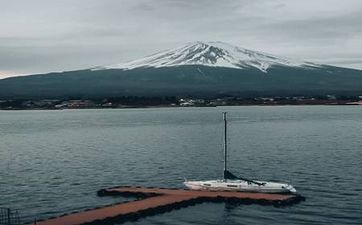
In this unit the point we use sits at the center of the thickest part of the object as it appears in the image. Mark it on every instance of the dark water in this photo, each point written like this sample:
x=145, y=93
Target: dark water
x=53, y=162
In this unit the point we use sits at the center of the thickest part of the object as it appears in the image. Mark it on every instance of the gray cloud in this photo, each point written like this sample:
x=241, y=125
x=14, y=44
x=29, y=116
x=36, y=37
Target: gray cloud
x=41, y=36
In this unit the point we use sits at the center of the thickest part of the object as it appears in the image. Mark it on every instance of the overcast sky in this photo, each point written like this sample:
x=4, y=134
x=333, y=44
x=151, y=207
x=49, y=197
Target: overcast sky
x=40, y=36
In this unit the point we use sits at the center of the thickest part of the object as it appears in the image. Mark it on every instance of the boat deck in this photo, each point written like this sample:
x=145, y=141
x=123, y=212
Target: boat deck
x=159, y=200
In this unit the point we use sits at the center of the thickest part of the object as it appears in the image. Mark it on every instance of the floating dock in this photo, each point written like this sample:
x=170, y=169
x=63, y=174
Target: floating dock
x=158, y=200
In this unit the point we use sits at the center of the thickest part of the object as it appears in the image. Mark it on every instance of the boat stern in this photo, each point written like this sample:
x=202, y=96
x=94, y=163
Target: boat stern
x=290, y=188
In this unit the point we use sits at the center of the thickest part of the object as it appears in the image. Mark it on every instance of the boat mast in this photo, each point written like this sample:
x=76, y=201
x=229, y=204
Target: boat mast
x=225, y=143
x=227, y=174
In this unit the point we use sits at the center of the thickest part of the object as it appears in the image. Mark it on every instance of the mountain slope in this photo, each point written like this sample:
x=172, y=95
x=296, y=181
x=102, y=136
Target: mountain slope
x=200, y=69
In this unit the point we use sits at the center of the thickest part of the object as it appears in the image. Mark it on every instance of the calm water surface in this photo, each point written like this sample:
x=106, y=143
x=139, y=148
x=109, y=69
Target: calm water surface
x=53, y=162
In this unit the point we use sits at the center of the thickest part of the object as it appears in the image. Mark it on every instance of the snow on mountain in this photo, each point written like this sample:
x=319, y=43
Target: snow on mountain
x=216, y=54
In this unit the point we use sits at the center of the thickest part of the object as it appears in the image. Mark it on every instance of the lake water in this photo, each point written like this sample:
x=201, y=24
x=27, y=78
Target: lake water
x=53, y=162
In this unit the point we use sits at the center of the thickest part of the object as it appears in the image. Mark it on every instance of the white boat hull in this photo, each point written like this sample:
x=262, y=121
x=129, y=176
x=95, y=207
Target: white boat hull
x=240, y=185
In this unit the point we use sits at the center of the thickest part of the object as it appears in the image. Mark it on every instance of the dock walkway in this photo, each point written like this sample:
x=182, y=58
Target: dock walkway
x=159, y=200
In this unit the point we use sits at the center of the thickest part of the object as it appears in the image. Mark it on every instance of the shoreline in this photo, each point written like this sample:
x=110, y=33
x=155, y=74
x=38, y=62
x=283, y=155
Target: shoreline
x=169, y=106
x=171, y=102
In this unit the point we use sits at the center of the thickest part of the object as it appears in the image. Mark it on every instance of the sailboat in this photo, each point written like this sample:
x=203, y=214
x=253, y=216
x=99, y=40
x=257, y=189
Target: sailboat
x=230, y=182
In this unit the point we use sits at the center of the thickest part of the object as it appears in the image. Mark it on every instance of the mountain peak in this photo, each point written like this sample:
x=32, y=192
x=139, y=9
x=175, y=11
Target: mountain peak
x=211, y=53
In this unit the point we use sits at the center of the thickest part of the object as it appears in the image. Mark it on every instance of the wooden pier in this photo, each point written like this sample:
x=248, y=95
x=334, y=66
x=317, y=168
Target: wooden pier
x=158, y=200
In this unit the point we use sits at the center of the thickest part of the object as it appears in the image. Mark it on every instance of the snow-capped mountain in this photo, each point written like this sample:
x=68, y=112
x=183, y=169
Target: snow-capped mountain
x=216, y=54
x=201, y=69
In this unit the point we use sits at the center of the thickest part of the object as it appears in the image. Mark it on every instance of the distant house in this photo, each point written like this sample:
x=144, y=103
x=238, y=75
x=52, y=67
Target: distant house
x=79, y=104
x=191, y=102
x=187, y=104
x=107, y=104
